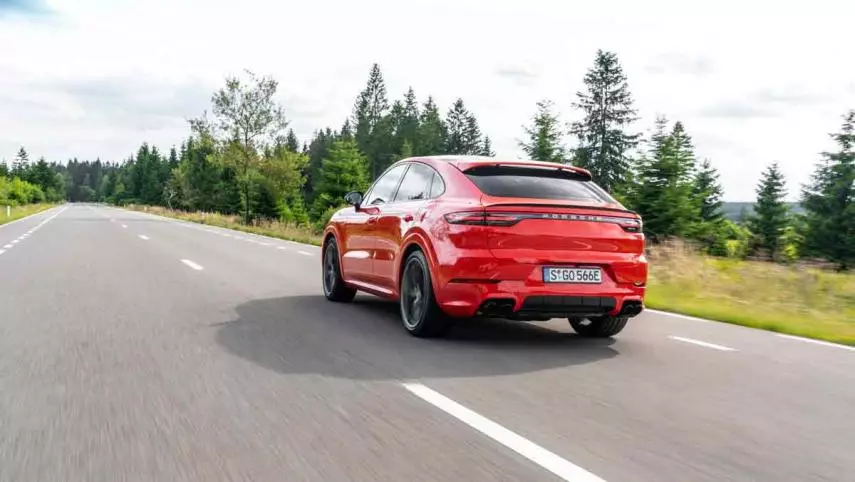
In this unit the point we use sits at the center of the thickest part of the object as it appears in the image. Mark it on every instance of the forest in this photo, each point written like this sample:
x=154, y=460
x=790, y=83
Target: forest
x=242, y=159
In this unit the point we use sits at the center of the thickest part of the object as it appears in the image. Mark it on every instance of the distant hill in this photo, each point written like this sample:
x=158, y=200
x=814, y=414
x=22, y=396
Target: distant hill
x=732, y=210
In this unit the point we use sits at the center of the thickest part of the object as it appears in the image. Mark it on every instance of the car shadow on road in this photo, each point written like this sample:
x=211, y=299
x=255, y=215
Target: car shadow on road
x=365, y=340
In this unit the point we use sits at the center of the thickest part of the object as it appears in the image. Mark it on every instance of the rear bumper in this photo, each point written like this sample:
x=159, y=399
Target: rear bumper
x=516, y=301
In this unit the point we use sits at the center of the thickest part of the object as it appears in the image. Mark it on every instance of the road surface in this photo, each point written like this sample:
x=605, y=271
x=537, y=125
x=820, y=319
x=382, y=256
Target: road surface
x=138, y=348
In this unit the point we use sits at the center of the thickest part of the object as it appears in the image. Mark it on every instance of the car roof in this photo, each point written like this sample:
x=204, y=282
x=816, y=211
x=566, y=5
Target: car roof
x=464, y=162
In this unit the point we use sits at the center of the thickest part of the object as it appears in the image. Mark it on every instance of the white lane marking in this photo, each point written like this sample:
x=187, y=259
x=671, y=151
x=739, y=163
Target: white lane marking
x=2, y=251
x=677, y=315
x=305, y=253
x=124, y=225
x=817, y=342
x=563, y=468
x=265, y=244
x=25, y=236
x=8, y=246
x=702, y=343
x=144, y=237
x=192, y=264
x=16, y=241
x=281, y=247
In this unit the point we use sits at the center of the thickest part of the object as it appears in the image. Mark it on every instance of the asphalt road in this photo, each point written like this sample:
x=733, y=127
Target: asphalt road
x=138, y=348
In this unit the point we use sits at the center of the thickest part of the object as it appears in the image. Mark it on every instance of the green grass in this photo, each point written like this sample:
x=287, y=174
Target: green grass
x=799, y=301
x=19, y=212
x=274, y=229
x=796, y=300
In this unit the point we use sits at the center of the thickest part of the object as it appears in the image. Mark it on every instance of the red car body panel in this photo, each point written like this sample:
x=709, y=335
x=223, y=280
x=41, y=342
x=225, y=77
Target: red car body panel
x=472, y=263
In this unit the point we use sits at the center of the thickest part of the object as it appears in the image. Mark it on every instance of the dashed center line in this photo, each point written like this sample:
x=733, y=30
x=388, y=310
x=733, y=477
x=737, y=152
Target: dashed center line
x=192, y=264
x=305, y=253
x=563, y=468
x=124, y=225
x=702, y=343
x=16, y=241
x=2, y=251
x=144, y=237
x=8, y=246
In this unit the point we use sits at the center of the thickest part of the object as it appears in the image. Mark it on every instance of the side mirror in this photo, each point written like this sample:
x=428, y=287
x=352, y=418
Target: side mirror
x=354, y=198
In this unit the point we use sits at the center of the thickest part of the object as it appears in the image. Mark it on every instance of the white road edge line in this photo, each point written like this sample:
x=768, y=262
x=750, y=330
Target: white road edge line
x=817, y=342
x=192, y=264
x=564, y=469
x=305, y=253
x=677, y=315
x=144, y=237
x=701, y=343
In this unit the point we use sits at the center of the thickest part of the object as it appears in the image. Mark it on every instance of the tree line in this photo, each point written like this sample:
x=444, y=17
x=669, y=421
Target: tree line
x=243, y=159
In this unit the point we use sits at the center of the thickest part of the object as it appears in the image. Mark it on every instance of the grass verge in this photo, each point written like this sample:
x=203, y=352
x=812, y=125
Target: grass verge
x=274, y=229
x=795, y=300
x=18, y=212
x=798, y=301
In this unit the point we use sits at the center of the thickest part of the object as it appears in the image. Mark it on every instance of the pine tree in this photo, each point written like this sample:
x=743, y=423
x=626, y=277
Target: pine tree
x=707, y=193
x=771, y=213
x=20, y=164
x=544, y=135
x=291, y=141
x=663, y=193
x=487, y=148
x=406, y=150
x=343, y=170
x=4, y=168
x=603, y=140
x=345, y=133
x=829, y=200
x=463, y=133
x=369, y=112
x=432, y=132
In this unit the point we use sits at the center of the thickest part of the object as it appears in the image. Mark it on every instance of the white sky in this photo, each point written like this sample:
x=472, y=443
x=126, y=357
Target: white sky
x=753, y=83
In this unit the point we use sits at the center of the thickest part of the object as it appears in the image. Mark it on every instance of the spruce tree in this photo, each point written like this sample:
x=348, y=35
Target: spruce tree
x=291, y=141
x=432, y=133
x=829, y=200
x=20, y=164
x=463, y=133
x=343, y=170
x=487, y=148
x=544, y=135
x=707, y=193
x=771, y=213
x=369, y=111
x=663, y=193
x=604, y=141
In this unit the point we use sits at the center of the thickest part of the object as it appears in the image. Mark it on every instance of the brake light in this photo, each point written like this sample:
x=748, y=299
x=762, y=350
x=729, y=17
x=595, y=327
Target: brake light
x=481, y=218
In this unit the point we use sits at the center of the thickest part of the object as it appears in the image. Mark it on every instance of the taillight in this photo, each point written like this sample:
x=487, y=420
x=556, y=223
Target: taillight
x=481, y=218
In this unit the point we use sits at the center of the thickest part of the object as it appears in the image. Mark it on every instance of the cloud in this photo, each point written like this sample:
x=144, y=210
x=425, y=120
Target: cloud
x=681, y=64
x=518, y=74
x=737, y=110
x=25, y=7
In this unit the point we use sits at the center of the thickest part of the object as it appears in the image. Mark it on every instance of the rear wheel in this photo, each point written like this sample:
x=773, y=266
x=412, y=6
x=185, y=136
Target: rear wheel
x=600, y=326
x=334, y=287
x=420, y=313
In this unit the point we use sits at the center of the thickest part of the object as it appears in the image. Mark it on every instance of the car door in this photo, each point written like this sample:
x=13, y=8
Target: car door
x=380, y=194
x=396, y=218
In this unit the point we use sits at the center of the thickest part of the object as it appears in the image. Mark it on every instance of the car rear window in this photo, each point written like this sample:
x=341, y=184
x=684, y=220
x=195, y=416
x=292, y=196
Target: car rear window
x=536, y=183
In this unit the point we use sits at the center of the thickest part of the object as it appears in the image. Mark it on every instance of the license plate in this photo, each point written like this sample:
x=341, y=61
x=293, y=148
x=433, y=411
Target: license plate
x=573, y=275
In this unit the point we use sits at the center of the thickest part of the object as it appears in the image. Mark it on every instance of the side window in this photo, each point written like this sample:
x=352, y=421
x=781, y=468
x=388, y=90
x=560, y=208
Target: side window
x=384, y=188
x=437, y=187
x=416, y=183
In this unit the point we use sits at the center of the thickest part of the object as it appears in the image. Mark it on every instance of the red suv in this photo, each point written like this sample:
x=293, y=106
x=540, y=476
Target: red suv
x=456, y=237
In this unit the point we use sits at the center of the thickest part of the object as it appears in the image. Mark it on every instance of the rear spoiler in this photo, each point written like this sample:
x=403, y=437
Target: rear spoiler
x=584, y=173
x=565, y=206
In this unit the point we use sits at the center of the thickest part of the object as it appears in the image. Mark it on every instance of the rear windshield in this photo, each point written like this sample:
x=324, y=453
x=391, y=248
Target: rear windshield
x=537, y=183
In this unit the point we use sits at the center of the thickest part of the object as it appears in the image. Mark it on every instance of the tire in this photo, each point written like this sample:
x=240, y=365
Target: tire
x=420, y=313
x=334, y=287
x=599, y=327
